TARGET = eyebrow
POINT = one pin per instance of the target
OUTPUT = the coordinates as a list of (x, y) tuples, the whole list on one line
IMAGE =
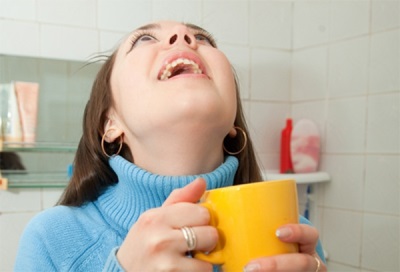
[(158, 26), (195, 27)]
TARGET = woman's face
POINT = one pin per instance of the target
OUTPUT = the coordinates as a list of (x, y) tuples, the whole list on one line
[(169, 75)]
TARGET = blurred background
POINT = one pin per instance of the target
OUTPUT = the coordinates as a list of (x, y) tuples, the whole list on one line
[(335, 62)]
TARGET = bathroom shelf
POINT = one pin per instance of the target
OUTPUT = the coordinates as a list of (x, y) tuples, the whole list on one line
[(306, 178), (35, 179), (21, 179), (38, 147)]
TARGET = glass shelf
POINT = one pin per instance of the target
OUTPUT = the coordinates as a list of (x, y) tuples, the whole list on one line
[(39, 147), (36, 178), (22, 179)]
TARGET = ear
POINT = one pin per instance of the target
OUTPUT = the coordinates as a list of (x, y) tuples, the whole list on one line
[(112, 131), (232, 132)]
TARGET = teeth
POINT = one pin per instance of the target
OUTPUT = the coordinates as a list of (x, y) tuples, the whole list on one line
[(169, 67)]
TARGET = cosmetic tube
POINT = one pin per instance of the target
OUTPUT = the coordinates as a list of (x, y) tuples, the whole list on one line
[(27, 97), (3, 114), (11, 123)]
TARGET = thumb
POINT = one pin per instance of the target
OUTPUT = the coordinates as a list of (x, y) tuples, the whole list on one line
[(190, 193)]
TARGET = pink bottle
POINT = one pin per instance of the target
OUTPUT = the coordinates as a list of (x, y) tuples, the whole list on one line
[(305, 147)]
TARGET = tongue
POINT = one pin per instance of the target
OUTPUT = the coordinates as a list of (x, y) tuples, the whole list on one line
[(181, 69)]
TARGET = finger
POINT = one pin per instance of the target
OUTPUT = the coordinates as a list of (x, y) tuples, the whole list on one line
[(193, 265), (206, 239), (190, 193), (306, 236), (184, 214), (297, 262), (168, 262)]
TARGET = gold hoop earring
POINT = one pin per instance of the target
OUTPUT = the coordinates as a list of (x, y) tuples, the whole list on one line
[(121, 141), (244, 143)]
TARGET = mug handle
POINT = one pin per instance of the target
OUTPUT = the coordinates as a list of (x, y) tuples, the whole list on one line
[(216, 255)]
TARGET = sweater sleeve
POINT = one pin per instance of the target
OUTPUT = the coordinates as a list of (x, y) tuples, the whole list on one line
[(112, 264), (32, 253), (319, 248)]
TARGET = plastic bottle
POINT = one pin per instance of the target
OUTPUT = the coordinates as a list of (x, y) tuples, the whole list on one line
[(286, 161), (12, 130)]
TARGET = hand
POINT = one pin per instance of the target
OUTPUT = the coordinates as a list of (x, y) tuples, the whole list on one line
[(307, 238), (156, 243)]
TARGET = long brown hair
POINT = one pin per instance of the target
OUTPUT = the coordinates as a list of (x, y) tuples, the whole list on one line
[(92, 174)]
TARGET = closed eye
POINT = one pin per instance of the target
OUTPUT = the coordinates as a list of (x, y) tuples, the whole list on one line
[(142, 37), (202, 35), (207, 39)]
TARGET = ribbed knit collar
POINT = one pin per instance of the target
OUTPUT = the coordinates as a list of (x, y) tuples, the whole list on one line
[(138, 190)]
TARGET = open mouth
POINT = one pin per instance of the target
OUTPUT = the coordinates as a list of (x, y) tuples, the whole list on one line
[(178, 67)]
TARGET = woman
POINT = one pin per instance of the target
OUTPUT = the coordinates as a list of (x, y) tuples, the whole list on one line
[(167, 103)]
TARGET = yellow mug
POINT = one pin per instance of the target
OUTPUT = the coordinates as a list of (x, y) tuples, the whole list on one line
[(247, 217)]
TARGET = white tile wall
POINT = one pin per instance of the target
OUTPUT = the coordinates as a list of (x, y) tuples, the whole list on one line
[(264, 116), (25, 41), (54, 12), (215, 14), (309, 74), (345, 125), (26, 200), (348, 67), (109, 40), (349, 18), (385, 14), (50, 197), (270, 75), (239, 57), (335, 62), (384, 61), (275, 30), (383, 136), (71, 42), (347, 174), (381, 233), (341, 231), (335, 267), (180, 10), (310, 23), (123, 15), (382, 184), (18, 9)]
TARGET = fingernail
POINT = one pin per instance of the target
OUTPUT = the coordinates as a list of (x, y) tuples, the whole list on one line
[(283, 232), (252, 267)]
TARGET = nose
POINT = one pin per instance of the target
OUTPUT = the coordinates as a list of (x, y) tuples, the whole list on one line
[(174, 38), (182, 35)]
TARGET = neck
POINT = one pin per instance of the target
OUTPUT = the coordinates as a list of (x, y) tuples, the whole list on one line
[(179, 154)]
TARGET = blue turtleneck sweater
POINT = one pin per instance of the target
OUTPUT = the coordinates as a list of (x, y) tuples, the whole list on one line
[(86, 238)]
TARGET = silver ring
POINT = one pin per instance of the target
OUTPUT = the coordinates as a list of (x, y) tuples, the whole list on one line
[(190, 237), (318, 263)]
